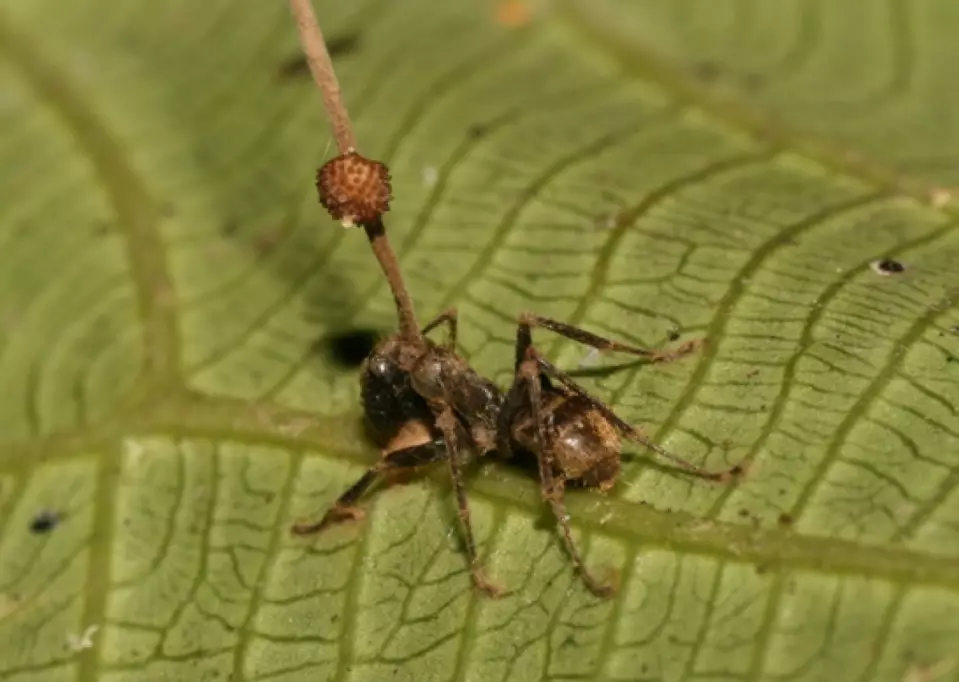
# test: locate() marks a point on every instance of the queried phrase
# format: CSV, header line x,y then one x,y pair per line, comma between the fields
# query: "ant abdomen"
x,y
585,447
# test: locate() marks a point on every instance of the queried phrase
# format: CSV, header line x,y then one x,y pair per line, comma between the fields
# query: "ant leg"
x,y
449,318
626,429
601,343
405,458
446,422
554,488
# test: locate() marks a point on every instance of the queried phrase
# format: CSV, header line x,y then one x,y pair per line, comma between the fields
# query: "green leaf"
x,y
172,294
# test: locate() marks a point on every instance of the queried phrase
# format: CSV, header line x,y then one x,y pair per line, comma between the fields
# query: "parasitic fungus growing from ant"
x,y
427,405
354,189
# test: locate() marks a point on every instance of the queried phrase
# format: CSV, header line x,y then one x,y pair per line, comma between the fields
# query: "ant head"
x,y
389,400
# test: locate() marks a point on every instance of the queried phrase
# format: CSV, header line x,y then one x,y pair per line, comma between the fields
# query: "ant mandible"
x,y
426,402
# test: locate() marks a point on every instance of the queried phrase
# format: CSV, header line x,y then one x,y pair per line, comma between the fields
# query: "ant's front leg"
x,y
530,320
344,508
449,318
553,486
625,428
447,423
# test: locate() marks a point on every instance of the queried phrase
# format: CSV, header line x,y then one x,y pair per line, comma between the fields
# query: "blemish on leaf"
x,y
44,522
477,131
82,641
348,348
344,44
785,520
430,176
341,45
753,82
887,267
229,227
707,71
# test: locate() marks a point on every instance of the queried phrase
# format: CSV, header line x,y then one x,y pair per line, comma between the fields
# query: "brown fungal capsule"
x,y
355,190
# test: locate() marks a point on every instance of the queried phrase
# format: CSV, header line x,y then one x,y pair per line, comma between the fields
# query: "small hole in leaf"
x,y
349,348
44,521
887,266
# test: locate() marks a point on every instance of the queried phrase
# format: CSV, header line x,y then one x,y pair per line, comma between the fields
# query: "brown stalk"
x,y
321,66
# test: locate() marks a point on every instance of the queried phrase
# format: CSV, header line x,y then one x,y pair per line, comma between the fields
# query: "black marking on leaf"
x,y
477,130
341,45
44,521
887,266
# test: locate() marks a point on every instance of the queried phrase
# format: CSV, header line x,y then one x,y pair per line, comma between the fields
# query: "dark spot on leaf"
x,y
707,71
785,520
753,82
744,512
762,569
293,67
348,348
344,44
340,45
887,266
44,521
476,131
229,227
673,334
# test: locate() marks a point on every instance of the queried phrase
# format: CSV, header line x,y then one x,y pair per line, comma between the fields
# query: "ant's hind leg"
x,y
553,487
449,318
344,508
601,343
629,431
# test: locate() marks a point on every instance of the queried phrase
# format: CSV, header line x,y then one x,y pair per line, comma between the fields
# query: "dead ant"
x,y
427,403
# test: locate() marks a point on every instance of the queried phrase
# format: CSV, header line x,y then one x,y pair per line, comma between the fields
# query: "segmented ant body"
x,y
428,405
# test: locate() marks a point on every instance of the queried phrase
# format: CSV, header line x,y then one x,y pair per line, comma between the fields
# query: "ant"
x,y
426,402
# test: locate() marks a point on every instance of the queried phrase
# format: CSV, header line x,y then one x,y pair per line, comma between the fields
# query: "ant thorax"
x,y
441,374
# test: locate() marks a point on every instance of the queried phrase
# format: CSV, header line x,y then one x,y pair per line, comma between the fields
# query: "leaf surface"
x,y
182,321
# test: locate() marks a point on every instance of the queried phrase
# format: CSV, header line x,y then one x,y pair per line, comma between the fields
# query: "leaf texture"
x,y
175,304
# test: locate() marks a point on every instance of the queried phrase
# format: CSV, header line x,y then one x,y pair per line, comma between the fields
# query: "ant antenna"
x,y
355,190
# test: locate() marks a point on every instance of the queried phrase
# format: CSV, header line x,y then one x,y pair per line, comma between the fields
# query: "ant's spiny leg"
x,y
628,430
553,488
449,318
446,422
603,344
344,508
